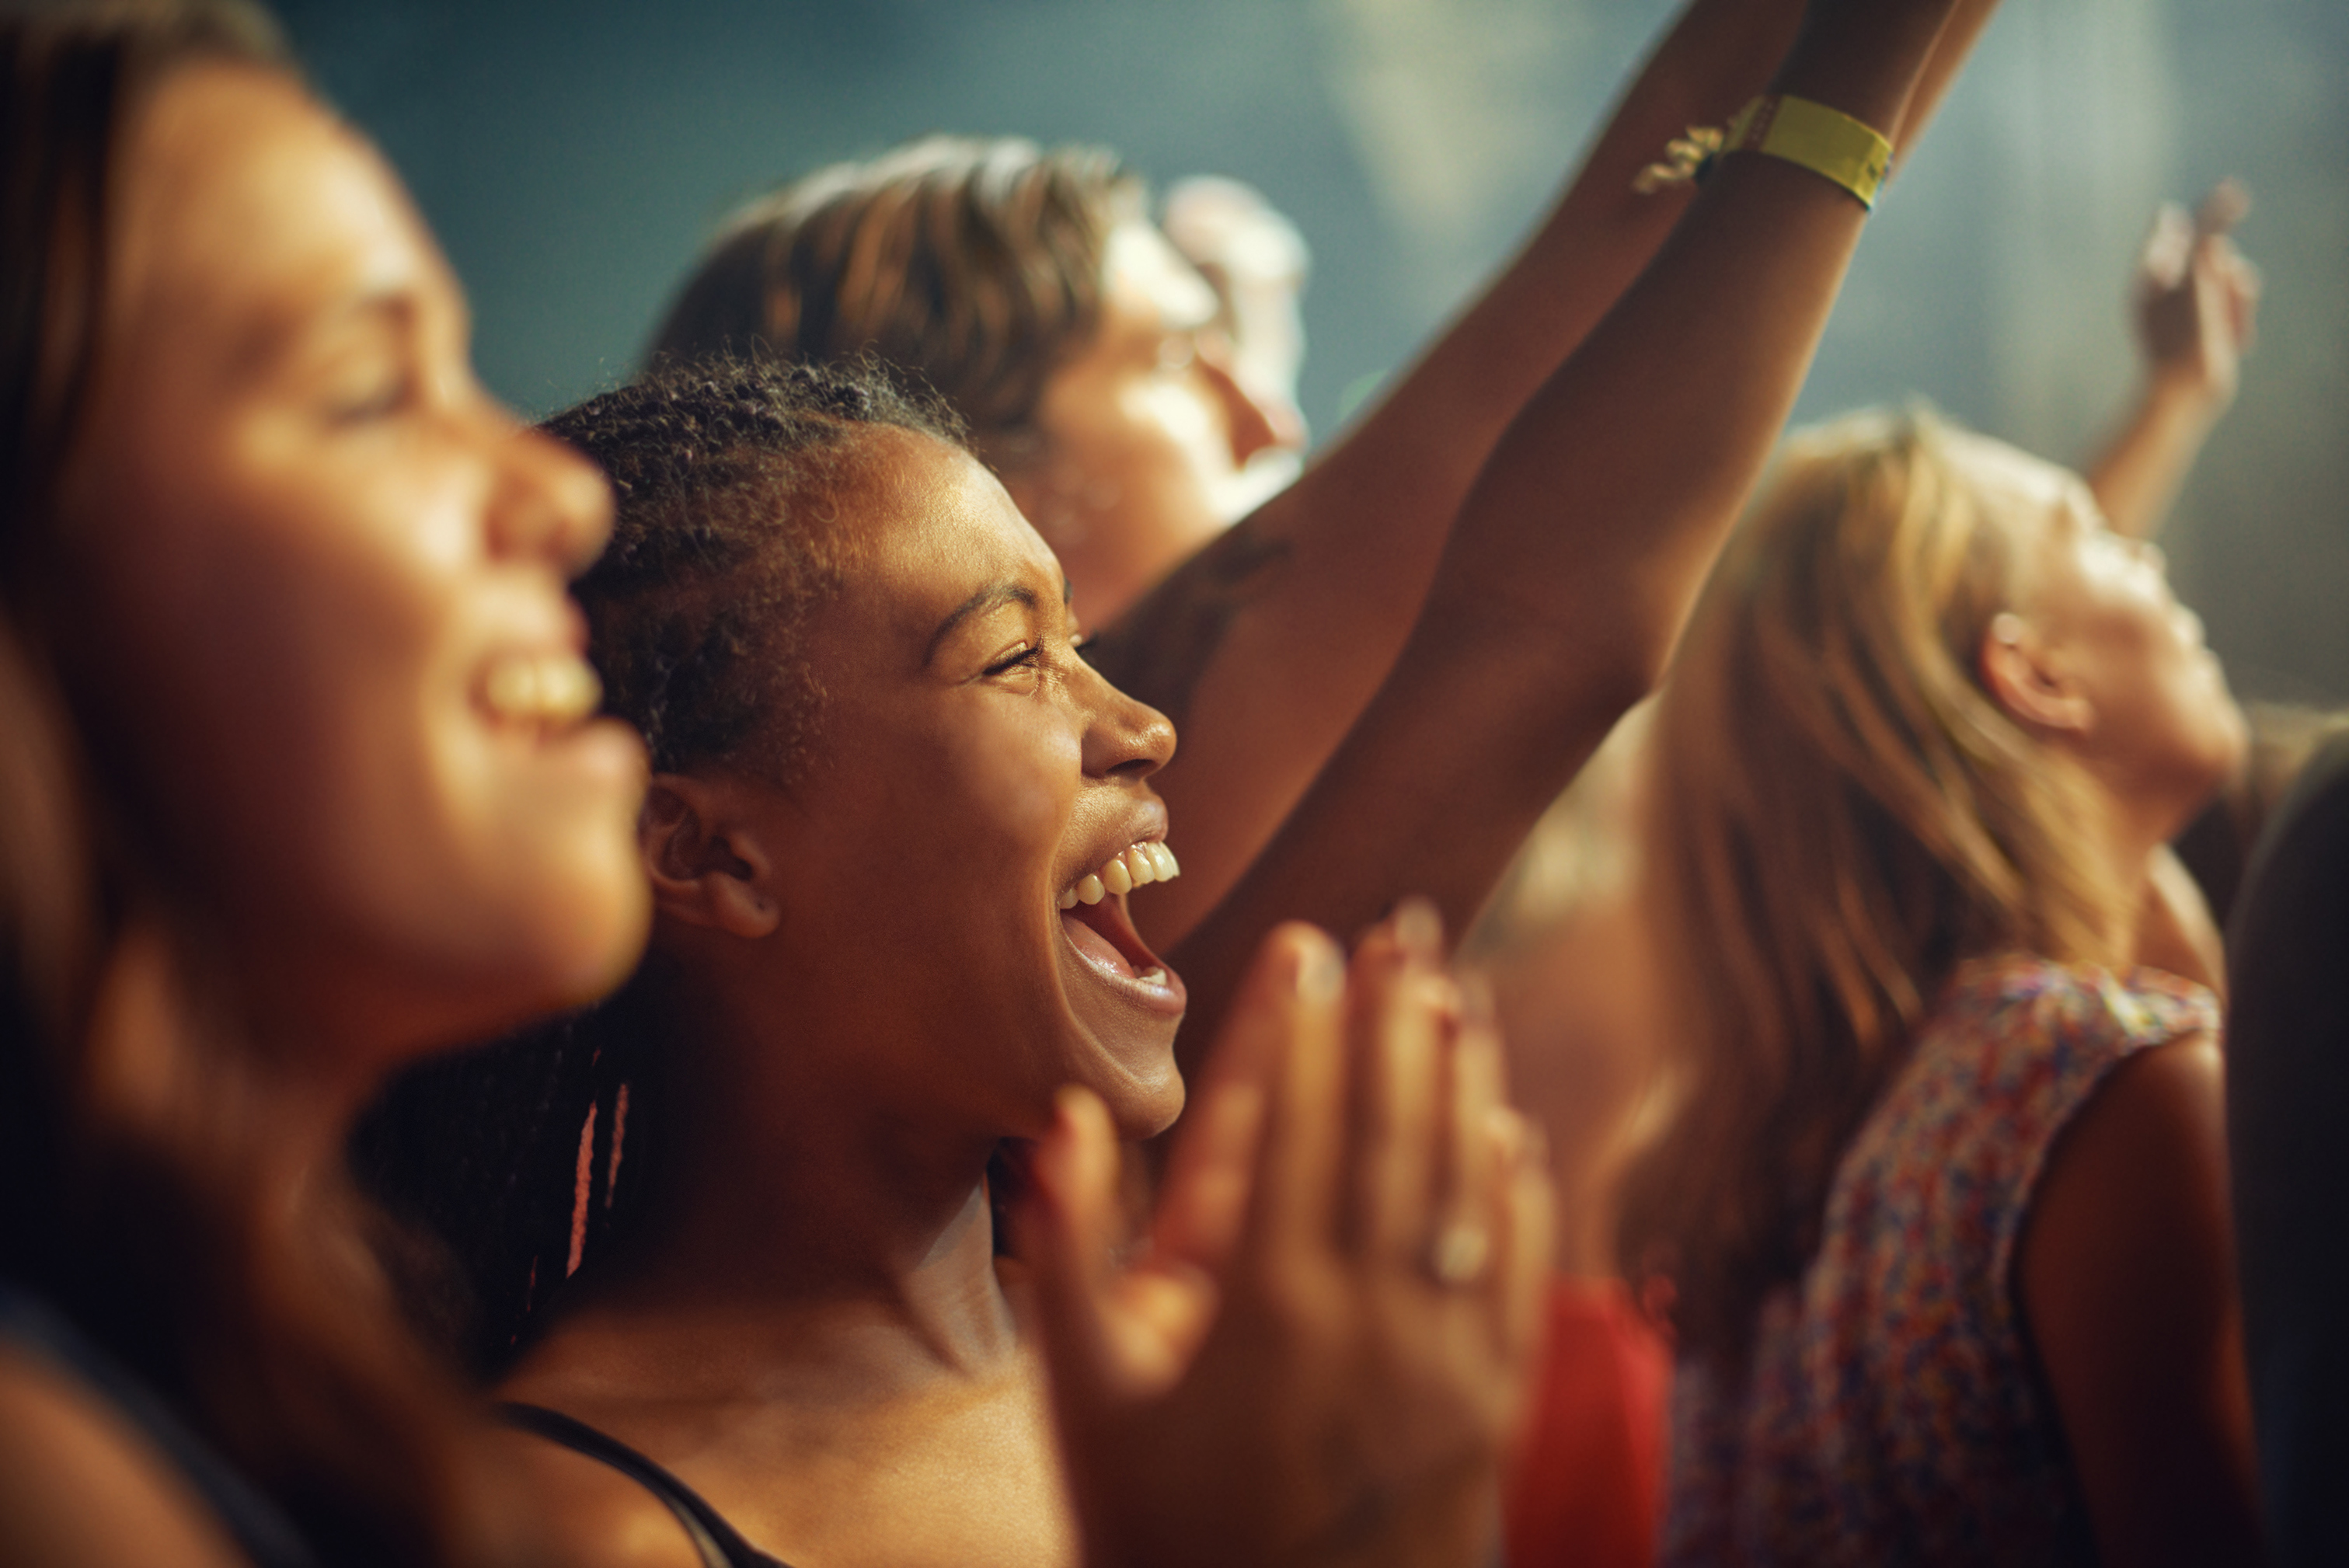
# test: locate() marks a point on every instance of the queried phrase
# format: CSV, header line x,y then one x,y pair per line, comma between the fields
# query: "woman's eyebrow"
x,y
986,598
394,311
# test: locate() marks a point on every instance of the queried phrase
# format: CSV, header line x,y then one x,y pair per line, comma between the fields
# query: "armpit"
x,y
1159,649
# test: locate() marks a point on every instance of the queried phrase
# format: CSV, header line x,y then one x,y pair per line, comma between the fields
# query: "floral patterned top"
x,y
1893,1413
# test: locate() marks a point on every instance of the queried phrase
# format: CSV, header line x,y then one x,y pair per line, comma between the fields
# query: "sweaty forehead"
x,y
930,527
1148,281
247,210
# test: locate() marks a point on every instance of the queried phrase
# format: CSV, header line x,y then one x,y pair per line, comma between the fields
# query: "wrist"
x,y
1844,151
1862,59
2187,391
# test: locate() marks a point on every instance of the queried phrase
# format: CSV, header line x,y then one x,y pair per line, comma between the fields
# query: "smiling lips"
x,y
1137,865
1093,916
550,689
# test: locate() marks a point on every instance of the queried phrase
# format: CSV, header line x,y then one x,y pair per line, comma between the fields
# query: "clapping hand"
x,y
1318,1352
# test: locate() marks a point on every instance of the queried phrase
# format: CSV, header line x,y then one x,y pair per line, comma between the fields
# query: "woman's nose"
x,y
552,503
1256,421
1126,737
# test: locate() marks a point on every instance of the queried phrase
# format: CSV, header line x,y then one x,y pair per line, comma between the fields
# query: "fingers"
x,y
1287,1019
1525,1227
2238,281
1204,1199
1067,1229
1390,1144
2168,247
2227,203
1400,1011
2198,298
1474,1161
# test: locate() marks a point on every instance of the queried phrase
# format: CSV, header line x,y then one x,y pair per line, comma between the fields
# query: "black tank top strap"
x,y
720,1545
254,1522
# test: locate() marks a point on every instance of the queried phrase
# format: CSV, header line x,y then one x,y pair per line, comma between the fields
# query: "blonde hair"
x,y
1841,814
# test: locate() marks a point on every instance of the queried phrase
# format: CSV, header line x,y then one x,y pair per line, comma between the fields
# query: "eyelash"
x,y
378,404
1033,654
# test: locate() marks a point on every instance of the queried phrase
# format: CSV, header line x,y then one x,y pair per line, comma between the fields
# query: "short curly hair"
x,y
728,475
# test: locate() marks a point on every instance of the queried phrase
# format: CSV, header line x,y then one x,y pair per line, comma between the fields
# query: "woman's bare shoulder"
x,y
80,1484
594,1516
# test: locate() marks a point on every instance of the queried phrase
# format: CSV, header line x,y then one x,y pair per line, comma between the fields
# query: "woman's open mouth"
x,y
1093,918
551,690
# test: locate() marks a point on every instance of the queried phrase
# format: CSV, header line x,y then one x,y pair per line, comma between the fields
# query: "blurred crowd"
x,y
622,992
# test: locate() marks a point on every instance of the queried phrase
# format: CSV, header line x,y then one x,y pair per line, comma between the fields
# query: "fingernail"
x,y
1420,929
1507,1132
1321,971
1477,1002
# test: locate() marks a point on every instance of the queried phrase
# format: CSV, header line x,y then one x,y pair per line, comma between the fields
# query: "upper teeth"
x,y
549,687
1136,865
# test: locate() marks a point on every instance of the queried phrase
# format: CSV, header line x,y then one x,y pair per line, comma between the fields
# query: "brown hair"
x,y
130,1194
1841,813
977,264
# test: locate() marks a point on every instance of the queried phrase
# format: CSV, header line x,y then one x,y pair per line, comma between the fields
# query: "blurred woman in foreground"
x,y
299,784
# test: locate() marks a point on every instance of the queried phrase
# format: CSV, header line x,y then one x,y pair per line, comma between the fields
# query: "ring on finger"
x,y
1457,1255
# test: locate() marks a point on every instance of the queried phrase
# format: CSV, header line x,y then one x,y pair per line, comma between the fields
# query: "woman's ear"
x,y
707,864
2023,679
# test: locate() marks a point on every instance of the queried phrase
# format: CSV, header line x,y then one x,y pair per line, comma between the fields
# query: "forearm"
x,y
1583,543
1959,35
1425,443
1265,648
1386,816
2138,473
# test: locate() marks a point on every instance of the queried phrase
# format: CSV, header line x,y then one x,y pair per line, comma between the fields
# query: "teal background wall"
x,y
573,153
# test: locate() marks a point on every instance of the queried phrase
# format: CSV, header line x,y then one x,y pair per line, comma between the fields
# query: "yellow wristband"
x,y
1825,142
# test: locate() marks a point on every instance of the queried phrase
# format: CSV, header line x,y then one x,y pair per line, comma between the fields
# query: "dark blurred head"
x,y
977,264
1030,290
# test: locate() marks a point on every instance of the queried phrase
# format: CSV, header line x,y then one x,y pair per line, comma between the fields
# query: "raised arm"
x,y
1265,647
2197,299
1582,544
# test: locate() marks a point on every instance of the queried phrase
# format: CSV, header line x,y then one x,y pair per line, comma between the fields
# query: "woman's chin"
x,y
1145,1111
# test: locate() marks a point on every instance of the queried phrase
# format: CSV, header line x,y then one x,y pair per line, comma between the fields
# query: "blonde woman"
x,y
1942,1185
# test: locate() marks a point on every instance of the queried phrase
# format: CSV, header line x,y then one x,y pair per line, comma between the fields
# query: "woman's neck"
x,y
2130,843
799,1224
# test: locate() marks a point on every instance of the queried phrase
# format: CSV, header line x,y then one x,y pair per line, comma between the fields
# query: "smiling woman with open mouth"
x,y
894,828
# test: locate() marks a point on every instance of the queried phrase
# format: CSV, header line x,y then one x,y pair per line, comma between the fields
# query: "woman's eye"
x,y
1027,656
372,400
